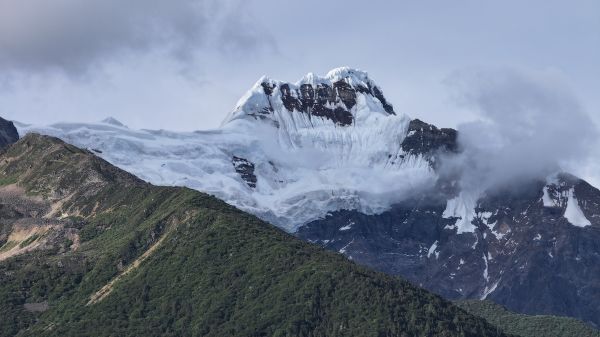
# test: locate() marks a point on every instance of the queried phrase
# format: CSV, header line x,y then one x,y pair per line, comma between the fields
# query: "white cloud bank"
x,y
531,126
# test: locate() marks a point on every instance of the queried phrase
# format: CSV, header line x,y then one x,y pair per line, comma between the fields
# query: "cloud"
x,y
75,36
531,126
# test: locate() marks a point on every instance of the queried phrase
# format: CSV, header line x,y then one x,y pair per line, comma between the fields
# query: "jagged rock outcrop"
x,y
331,97
328,158
245,170
288,152
428,140
8,133
534,249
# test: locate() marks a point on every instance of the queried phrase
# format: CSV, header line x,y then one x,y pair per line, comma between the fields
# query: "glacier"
x,y
292,153
315,146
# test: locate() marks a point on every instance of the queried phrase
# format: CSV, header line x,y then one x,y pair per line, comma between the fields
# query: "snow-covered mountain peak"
x,y
113,121
344,97
354,75
289,152
341,120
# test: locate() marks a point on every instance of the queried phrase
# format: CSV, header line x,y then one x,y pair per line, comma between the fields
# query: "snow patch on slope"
x,y
556,194
573,212
305,167
489,290
432,250
463,208
547,200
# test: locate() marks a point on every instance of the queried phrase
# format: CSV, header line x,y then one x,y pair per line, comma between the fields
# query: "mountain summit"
x,y
343,97
330,160
289,152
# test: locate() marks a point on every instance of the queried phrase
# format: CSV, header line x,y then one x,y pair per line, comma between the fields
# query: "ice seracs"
x,y
343,97
288,153
292,152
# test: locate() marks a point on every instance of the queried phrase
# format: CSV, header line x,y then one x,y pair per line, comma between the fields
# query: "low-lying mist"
x,y
531,126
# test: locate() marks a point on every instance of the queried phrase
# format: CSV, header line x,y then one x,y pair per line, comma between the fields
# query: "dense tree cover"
x,y
202,267
528,326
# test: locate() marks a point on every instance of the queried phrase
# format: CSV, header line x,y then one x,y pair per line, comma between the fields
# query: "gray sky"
x,y
183,64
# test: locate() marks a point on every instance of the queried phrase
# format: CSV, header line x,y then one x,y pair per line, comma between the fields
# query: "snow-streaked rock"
x,y
305,164
560,194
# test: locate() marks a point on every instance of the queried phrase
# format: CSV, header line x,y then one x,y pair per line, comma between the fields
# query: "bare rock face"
x,y
8,133
245,169
47,219
67,217
31,224
426,139
331,102
523,254
336,98
535,248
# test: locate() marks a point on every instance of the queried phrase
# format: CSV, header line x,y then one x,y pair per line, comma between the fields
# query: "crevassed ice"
x,y
304,168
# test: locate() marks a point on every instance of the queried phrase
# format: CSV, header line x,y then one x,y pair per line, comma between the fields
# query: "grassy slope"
x,y
216,272
528,326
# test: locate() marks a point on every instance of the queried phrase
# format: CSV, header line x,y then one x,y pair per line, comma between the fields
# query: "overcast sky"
x,y
183,64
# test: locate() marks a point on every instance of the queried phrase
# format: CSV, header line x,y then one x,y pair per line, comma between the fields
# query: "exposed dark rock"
x,y
523,255
376,92
290,102
426,139
387,106
185,248
8,133
313,103
333,102
346,93
307,96
245,169
268,88
325,94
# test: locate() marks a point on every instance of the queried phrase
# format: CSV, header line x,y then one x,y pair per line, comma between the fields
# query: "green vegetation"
x,y
7,180
182,263
528,326
8,246
29,241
